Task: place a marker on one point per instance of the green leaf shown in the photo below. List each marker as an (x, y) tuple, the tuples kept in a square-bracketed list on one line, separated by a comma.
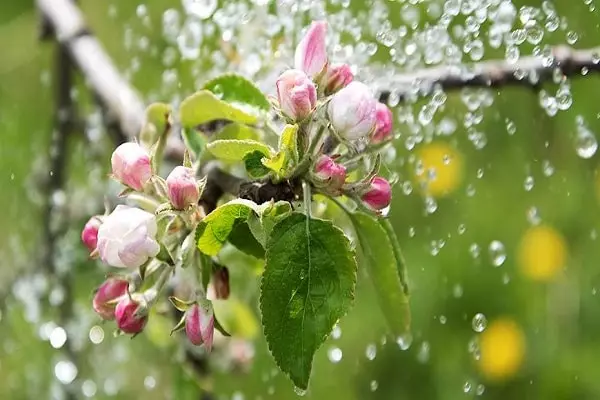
[(236, 150), (204, 106), (243, 239), (236, 89), (269, 214), (384, 267), (254, 166), (214, 230), (308, 284), (285, 160), (181, 305), (193, 141), (238, 131)]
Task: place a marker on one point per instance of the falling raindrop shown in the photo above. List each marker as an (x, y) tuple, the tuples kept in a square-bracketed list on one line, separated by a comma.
[(480, 389), (457, 291), (423, 353), (533, 216), (189, 40), (529, 182), (473, 348), (475, 250), (572, 37), (149, 382), (467, 387), (443, 319), (58, 337), (335, 355), (202, 9), (299, 391), (89, 388), (430, 205), (336, 332), (479, 322), (547, 168), (171, 24), (371, 351), (96, 334), (404, 341), (374, 385), (65, 371), (585, 141), (497, 253)]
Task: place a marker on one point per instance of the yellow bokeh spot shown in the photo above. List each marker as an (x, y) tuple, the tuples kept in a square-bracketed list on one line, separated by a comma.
[(502, 347), (438, 169), (542, 253)]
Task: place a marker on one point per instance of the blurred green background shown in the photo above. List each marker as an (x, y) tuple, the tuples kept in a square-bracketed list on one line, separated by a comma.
[(510, 182)]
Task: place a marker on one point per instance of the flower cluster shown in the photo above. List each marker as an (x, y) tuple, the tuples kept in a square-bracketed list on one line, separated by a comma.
[(335, 130), (350, 114), (137, 239)]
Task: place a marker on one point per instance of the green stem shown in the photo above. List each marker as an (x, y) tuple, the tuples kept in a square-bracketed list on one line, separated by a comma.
[(389, 229), (159, 151), (307, 194), (316, 140), (307, 160), (151, 295)]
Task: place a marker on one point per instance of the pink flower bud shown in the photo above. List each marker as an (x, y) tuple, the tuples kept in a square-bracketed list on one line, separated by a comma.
[(127, 238), (183, 188), (296, 93), (89, 234), (221, 283), (106, 296), (311, 54), (199, 325), (383, 126), (131, 165), (129, 317), (334, 175), (337, 77), (379, 195), (352, 111)]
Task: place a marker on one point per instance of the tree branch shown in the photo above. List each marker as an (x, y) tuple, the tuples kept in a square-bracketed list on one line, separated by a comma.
[(54, 221), (527, 71)]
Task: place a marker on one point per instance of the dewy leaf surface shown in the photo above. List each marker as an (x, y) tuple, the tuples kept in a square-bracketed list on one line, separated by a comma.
[(307, 286)]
